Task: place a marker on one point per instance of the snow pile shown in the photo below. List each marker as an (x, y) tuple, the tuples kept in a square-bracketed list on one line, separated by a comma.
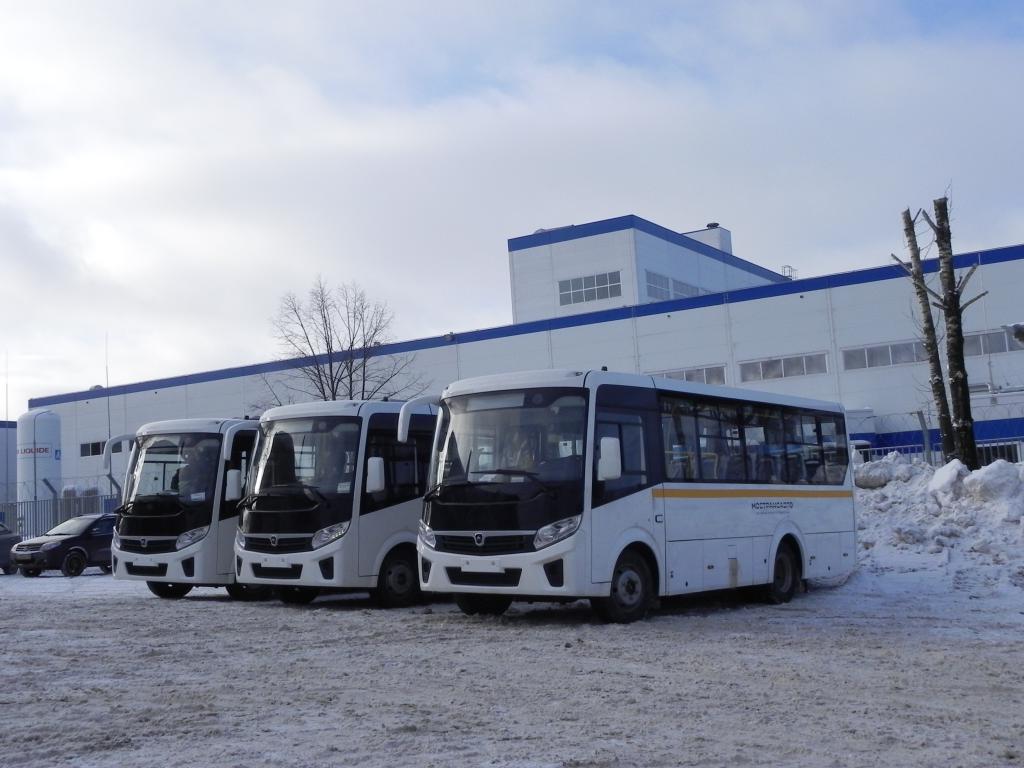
[(969, 519)]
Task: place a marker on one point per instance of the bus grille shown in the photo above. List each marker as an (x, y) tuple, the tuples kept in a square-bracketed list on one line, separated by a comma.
[(151, 547), (266, 572), (262, 544), (492, 545), (459, 577)]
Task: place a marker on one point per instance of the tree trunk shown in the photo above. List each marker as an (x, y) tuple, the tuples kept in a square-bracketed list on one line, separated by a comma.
[(959, 391), (931, 345)]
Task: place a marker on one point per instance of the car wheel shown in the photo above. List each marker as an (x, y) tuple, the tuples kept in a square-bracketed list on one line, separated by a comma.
[(297, 595), (247, 592), (168, 590), (632, 591), (397, 583), (785, 576), (74, 564), (485, 605), (30, 572), (9, 569)]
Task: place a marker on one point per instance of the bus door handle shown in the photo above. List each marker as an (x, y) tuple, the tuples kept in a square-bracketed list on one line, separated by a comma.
[(659, 518)]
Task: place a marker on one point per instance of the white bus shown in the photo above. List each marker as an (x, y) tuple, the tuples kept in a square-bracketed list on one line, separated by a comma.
[(556, 485), (333, 501), (176, 525)]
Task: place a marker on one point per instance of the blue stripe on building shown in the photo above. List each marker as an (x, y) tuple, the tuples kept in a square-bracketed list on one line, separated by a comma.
[(807, 285)]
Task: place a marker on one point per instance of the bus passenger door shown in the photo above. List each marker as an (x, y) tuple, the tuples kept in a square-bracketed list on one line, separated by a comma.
[(238, 448)]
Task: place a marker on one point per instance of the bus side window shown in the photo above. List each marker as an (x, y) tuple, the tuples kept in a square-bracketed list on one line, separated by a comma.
[(679, 438), (628, 428), (832, 430)]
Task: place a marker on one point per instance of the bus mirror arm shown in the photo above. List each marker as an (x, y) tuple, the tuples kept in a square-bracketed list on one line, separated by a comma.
[(109, 446), (405, 415), (233, 485), (609, 465)]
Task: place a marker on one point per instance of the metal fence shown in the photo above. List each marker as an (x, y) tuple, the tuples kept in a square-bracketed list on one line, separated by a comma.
[(988, 451), (34, 518)]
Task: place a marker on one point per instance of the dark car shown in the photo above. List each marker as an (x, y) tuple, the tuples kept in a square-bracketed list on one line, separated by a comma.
[(7, 540), (72, 547)]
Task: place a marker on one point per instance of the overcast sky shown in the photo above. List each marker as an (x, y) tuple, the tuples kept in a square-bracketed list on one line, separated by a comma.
[(169, 169)]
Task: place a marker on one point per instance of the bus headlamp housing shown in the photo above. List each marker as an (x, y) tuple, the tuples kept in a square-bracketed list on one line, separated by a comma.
[(116, 539), (427, 535), (191, 537), (556, 531), (331, 533), (239, 539)]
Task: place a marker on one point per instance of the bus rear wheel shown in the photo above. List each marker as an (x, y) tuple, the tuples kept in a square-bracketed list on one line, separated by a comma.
[(785, 576), (632, 591), (297, 595), (484, 605), (168, 590)]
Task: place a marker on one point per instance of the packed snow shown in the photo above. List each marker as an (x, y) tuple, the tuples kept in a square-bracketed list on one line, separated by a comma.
[(917, 659)]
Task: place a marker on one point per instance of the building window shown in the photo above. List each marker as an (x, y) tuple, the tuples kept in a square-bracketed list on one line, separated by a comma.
[(663, 288), (577, 290), (902, 352), (712, 374), (784, 367), (91, 449)]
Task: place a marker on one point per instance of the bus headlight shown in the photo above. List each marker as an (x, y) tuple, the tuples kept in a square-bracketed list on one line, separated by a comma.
[(332, 532), (239, 539), (116, 539), (191, 537), (427, 535), (557, 531)]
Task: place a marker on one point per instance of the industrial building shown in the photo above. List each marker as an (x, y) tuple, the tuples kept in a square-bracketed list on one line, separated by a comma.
[(633, 296)]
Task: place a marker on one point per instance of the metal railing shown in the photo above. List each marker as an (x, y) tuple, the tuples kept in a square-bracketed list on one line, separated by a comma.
[(34, 518), (988, 452)]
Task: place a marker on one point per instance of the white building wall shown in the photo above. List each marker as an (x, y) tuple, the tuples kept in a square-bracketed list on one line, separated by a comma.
[(535, 273), (826, 320), (689, 266)]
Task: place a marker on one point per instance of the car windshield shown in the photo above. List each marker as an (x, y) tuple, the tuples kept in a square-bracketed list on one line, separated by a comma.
[(315, 454), (176, 465), (72, 527), (513, 437)]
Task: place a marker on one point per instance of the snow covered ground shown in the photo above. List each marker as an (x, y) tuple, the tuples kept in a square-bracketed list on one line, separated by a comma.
[(918, 659)]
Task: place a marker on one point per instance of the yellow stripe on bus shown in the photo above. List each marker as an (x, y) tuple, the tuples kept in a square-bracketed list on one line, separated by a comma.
[(744, 493)]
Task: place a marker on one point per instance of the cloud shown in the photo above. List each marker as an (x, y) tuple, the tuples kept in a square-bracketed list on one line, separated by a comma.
[(167, 172)]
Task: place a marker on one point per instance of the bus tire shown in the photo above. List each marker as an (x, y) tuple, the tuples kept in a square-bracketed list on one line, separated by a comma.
[(31, 572), (168, 590), (785, 576), (297, 595), (247, 592), (74, 563), (631, 593), (397, 584), (484, 605)]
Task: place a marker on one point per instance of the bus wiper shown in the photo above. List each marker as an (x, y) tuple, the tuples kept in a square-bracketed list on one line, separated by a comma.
[(306, 488), (435, 492)]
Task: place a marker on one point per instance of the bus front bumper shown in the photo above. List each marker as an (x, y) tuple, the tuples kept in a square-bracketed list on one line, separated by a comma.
[(310, 568), (181, 567), (556, 572)]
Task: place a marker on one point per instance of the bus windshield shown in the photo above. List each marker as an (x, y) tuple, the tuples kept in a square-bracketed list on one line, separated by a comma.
[(513, 437), (181, 466), (303, 475)]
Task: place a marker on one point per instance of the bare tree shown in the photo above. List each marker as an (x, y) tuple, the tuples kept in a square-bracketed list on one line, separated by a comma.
[(334, 337), (953, 310), (956, 429), (931, 346)]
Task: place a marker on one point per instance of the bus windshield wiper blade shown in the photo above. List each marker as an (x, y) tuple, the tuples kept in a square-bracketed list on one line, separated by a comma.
[(513, 472)]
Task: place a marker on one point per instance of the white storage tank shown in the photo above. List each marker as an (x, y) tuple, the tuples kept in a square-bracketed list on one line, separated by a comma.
[(39, 473)]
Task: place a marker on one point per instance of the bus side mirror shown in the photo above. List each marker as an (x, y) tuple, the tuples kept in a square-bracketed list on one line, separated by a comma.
[(233, 489), (609, 465), (375, 474)]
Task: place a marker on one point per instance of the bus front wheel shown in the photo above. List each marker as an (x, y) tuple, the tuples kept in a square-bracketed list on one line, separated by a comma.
[(485, 605), (397, 583), (168, 590), (785, 576), (297, 595), (632, 591)]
